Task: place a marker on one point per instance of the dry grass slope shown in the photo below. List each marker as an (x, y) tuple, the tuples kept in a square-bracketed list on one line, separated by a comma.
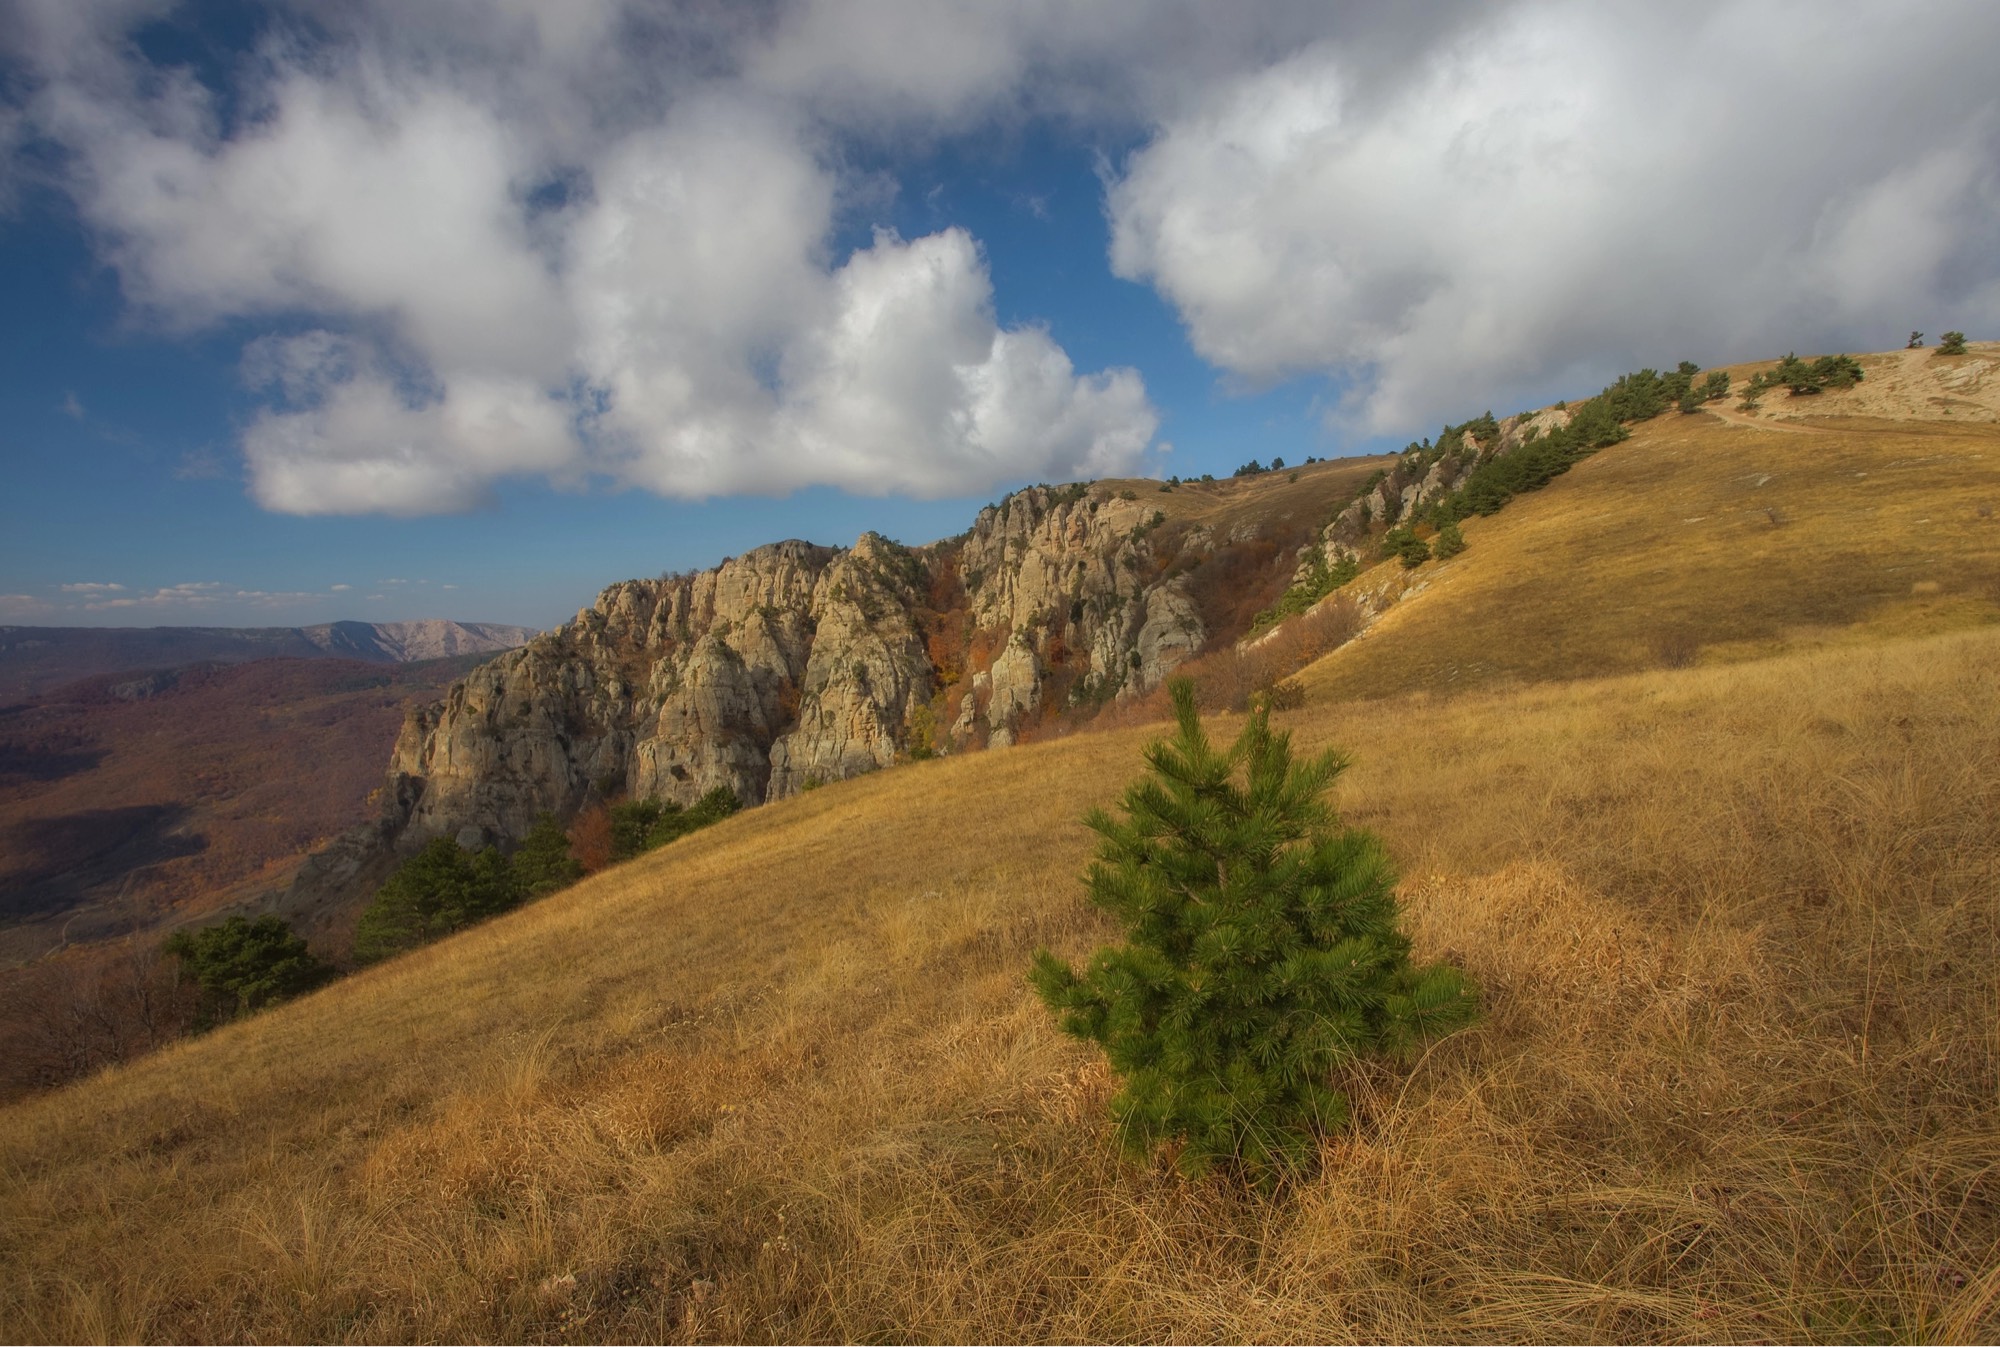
[(1713, 539), (1738, 1080)]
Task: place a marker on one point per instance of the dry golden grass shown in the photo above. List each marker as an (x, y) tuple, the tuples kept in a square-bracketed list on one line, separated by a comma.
[(1702, 539), (1736, 925)]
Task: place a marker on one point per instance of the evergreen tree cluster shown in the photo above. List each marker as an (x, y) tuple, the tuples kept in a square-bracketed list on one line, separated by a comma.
[(1535, 462), (1806, 378), (1646, 393), (241, 966), (1952, 343), (1263, 953), (638, 826), (1713, 388), (445, 888), (441, 889), (1404, 544)]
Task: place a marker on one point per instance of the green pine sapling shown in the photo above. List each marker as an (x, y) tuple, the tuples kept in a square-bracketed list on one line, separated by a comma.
[(1263, 953)]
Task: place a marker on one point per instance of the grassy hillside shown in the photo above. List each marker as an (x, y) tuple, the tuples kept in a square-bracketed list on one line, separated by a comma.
[(1716, 536), (1737, 921), (1738, 1079)]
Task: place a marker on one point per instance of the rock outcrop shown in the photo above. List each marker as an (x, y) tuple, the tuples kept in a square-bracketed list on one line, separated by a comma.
[(797, 664), (1402, 490)]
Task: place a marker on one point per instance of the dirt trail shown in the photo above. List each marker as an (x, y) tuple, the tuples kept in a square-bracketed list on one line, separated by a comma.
[(1754, 422)]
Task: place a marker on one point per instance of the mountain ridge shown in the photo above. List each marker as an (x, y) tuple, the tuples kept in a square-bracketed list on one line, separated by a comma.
[(37, 659), (795, 664)]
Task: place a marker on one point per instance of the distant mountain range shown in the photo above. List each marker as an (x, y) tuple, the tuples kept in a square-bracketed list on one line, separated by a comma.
[(34, 659), (407, 642)]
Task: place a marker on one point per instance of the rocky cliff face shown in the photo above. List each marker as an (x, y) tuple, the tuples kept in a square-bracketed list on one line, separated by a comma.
[(795, 664)]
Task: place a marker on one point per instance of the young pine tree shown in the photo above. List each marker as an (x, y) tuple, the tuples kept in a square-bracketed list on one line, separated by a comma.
[(1262, 953)]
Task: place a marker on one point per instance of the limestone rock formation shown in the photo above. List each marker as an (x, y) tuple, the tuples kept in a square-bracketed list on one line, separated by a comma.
[(796, 664)]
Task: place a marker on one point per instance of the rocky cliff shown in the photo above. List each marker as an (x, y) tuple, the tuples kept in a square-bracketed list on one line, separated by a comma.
[(796, 664)]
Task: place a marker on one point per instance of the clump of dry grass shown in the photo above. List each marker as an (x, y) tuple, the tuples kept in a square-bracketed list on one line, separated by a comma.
[(1738, 1078)]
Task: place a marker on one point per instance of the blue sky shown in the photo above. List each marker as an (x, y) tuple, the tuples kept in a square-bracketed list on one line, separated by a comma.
[(360, 311)]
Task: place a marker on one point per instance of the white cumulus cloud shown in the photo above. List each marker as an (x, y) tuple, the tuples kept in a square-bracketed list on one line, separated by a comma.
[(1570, 189), (502, 279), (600, 240)]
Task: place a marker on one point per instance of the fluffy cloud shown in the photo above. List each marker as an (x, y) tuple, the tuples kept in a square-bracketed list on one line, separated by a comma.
[(595, 240), (499, 282), (1568, 189)]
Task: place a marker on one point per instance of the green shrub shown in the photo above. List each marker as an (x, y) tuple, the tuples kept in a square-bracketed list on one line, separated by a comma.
[(1449, 541), (1952, 343), (1713, 387), (1262, 953), (631, 823), (1638, 396), (242, 966), (1403, 544)]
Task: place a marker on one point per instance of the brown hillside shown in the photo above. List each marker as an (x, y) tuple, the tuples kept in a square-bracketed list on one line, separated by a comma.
[(1716, 536), (131, 801), (784, 1079)]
